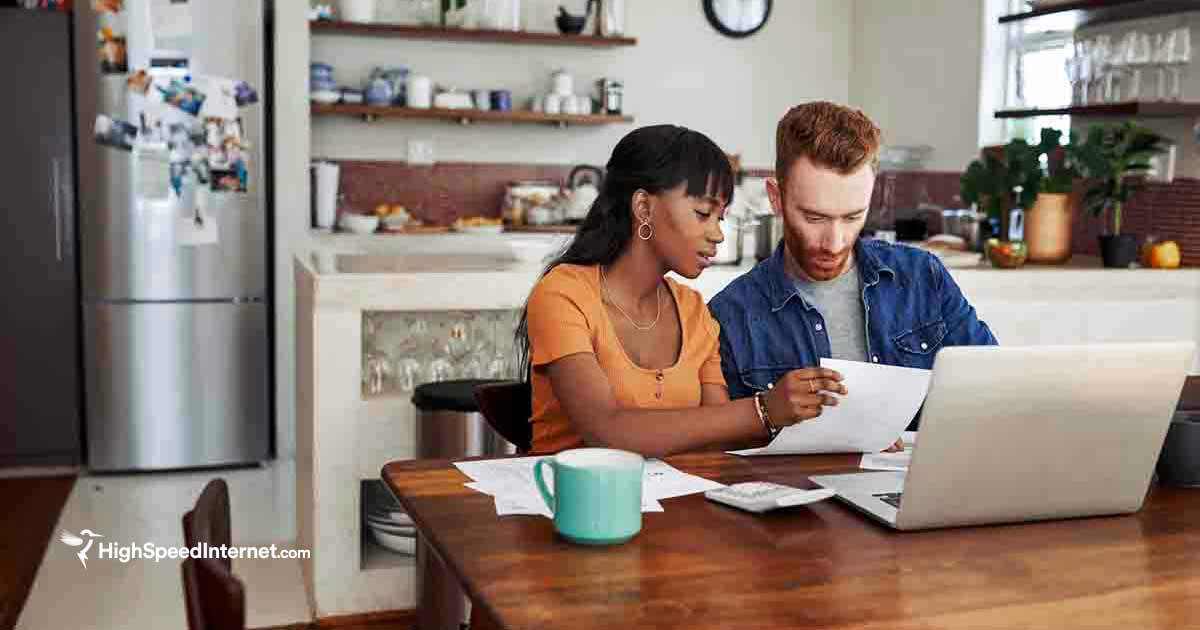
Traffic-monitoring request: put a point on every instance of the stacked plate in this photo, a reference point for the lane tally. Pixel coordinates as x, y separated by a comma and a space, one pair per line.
386, 520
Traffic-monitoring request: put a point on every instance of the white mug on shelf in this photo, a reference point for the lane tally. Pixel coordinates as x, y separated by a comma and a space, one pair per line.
553, 104
563, 83
570, 105
420, 92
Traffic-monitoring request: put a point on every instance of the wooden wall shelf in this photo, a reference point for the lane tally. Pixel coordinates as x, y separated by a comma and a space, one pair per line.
371, 112
1130, 109
1088, 12
466, 35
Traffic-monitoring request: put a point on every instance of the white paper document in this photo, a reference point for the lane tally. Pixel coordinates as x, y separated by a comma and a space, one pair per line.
882, 400
510, 483
891, 461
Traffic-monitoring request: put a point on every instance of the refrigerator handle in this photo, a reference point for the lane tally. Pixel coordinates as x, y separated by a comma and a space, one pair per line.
56, 202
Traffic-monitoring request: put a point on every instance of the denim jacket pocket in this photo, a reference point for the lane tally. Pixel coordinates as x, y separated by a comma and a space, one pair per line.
924, 339
760, 379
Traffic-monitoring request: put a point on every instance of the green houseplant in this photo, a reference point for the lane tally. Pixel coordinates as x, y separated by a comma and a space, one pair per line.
1003, 178
1110, 155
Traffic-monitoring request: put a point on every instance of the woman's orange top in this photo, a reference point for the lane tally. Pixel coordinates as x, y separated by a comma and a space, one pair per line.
566, 316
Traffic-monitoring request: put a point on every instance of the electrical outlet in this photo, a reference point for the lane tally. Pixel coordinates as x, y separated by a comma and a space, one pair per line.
420, 151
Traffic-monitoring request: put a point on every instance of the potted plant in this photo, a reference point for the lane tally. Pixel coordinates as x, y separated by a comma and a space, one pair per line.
1110, 155
1003, 178
1048, 221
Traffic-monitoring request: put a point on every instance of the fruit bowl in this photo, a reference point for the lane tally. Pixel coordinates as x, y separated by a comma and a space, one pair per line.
1007, 254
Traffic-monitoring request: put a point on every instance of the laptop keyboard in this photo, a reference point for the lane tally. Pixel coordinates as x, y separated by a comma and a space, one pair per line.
890, 498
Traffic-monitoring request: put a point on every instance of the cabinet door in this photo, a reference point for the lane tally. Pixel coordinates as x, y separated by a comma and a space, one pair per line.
39, 346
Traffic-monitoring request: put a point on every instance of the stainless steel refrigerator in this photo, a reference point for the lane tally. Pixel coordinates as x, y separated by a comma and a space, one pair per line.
176, 330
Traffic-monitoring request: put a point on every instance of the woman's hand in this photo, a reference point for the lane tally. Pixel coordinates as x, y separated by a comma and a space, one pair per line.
802, 394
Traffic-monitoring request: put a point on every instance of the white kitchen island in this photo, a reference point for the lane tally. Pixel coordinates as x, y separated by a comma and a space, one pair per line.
345, 435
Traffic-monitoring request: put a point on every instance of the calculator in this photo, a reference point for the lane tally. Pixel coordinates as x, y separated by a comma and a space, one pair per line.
761, 496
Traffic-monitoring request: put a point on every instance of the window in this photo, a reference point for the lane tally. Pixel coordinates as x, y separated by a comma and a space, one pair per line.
1036, 78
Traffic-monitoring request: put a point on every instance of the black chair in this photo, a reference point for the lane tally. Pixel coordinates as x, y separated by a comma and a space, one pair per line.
507, 407
214, 597
208, 520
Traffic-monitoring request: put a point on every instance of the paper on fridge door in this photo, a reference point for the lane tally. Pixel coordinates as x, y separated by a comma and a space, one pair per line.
882, 400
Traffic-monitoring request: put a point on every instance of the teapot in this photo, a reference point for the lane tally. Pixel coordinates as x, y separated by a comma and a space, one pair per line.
583, 187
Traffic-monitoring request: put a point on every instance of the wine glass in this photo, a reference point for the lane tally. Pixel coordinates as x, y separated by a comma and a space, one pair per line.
1083, 52
500, 365
1101, 68
1139, 53
1162, 45
406, 367
458, 348
1074, 77
439, 367
1115, 85
377, 371
1179, 55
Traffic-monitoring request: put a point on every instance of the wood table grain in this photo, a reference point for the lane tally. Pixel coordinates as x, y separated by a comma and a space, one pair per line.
703, 565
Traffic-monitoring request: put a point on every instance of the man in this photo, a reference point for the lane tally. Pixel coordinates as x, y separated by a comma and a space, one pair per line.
825, 292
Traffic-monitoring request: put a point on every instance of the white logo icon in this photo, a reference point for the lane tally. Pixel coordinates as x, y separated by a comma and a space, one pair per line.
75, 541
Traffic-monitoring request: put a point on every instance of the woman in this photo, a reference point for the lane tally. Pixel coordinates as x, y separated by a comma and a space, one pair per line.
620, 355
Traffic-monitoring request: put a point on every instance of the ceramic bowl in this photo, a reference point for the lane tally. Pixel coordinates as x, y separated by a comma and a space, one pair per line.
1007, 255
326, 97
359, 223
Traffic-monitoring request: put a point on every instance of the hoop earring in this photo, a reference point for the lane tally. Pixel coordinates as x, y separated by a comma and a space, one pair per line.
649, 230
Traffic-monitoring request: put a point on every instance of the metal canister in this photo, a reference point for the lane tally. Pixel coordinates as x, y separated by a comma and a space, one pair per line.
612, 96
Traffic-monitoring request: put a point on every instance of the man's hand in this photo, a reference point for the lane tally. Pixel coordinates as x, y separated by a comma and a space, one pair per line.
895, 447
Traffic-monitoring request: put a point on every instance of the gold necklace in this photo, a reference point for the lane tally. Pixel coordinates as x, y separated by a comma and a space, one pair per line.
657, 297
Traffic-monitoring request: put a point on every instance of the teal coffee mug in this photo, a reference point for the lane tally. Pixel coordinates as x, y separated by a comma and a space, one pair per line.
597, 498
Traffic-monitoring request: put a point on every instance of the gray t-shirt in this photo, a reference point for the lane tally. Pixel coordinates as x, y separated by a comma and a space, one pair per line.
839, 301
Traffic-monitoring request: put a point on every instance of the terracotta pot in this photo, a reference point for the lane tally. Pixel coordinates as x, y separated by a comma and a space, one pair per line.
1048, 229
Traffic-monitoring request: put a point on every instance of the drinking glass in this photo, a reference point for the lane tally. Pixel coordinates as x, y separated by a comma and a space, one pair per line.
1179, 55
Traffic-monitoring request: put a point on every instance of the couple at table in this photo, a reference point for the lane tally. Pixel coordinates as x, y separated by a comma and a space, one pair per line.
621, 355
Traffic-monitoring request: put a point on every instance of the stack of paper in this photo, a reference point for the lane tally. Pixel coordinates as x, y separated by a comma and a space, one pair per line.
510, 483
882, 400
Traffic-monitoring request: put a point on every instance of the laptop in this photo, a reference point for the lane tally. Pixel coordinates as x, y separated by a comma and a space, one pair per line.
1013, 434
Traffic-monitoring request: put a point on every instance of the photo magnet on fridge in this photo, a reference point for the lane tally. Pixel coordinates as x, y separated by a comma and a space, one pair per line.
115, 133
139, 82
244, 94
113, 58
227, 154
108, 6
178, 94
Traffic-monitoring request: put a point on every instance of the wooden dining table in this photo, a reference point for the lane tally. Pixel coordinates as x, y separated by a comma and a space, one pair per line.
700, 564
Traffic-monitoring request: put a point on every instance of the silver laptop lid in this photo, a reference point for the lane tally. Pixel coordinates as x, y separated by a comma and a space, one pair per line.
1027, 433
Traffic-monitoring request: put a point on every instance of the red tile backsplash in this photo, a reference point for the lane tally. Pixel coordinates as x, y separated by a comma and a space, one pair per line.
445, 191
437, 194
1166, 211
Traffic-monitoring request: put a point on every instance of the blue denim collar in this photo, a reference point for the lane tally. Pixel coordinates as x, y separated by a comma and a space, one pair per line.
782, 287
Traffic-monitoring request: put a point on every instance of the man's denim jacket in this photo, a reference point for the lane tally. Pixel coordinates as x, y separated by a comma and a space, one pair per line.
911, 305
